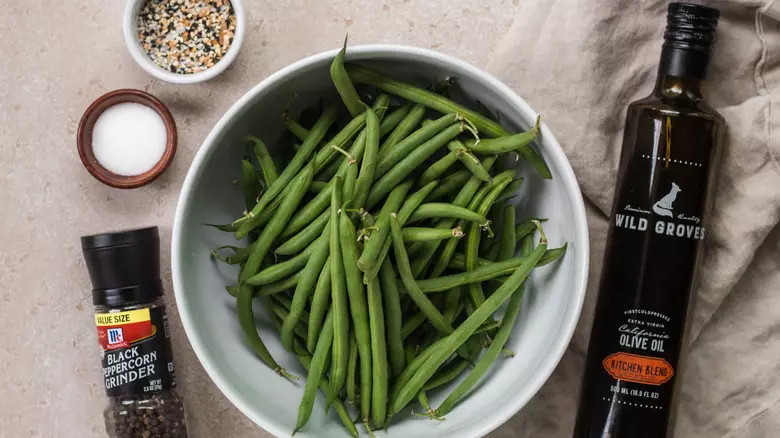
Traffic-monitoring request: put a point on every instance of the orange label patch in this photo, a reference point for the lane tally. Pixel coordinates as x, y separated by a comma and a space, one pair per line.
638, 369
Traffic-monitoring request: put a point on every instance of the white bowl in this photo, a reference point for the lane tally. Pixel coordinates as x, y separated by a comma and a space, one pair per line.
130, 24
552, 303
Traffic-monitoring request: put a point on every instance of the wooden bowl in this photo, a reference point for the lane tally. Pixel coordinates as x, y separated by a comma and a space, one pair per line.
84, 138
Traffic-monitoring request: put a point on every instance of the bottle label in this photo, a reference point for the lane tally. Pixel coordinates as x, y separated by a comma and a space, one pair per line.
135, 351
663, 220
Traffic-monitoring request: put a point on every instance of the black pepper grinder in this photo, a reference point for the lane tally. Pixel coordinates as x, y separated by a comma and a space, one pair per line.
132, 328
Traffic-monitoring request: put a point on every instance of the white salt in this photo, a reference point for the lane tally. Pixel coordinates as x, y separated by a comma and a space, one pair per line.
129, 138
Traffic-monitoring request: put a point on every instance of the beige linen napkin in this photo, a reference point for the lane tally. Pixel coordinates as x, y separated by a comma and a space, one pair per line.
580, 63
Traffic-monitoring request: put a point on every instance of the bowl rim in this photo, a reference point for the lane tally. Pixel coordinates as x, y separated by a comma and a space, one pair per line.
132, 8
566, 174
87, 123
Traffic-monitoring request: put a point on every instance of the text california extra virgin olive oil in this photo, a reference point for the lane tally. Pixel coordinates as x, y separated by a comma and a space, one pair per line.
659, 218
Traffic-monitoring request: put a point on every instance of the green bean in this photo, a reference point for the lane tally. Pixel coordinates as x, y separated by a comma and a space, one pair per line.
274, 227
551, 255
476, 294
407, 165
340, 140
476, 275
350, 179
402, 261
411, 369
449, 247
451, 343
261, 248
305, 215
511, 190
412, 324
526, 227
439, 103
472, 163
246, 320
451, 302
305, 287
488, 326
420, 234
316, 371
338, 405
403, 129
250, 186
239, 254
280, 286
447, 373
281, 270
506, 143
462, 153
325, 155
319, 304
423, 399
264, 216
358, 308
430, 99
230, 228
316, 134
232, 290
411, 204
264, 159
462, 199
340, 78
317, 186
507, 323
339, 307
379, 376
306, 236
435, 170
409, 353
352, 371
392, 120
493, 251
369, 259
439, 210
295, 128
305, 359
278, 309
414, 141
368, 164
393, 316
449, 184
508, 241
358, 146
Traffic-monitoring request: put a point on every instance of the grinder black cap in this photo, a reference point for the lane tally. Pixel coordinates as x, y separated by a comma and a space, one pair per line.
124, 266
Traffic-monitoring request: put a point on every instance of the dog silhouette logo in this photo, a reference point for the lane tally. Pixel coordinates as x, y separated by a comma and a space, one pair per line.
664, 206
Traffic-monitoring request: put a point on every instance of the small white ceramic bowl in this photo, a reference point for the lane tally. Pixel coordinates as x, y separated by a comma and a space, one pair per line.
129, 26
551, 304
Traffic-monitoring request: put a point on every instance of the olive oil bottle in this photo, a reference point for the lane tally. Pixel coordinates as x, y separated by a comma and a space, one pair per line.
659, 218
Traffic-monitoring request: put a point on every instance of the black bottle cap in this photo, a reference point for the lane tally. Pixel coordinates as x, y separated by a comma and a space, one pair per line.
690, 26
124, 266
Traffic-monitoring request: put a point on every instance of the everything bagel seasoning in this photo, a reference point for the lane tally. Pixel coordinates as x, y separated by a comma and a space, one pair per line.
186, 36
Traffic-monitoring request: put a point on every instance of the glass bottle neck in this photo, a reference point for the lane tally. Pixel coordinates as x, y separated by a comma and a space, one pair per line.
673, 87
681, 73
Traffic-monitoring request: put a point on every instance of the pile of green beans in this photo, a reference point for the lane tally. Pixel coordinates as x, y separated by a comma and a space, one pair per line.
375, 252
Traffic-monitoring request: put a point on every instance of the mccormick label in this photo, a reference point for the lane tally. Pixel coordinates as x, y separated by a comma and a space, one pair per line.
135, 351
